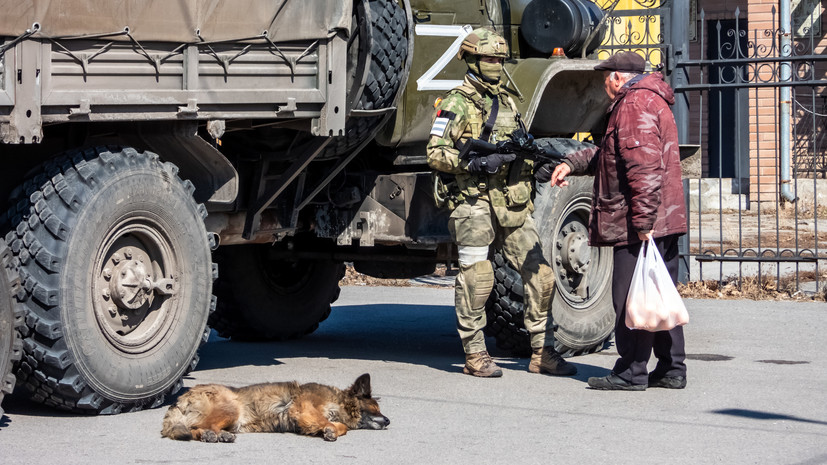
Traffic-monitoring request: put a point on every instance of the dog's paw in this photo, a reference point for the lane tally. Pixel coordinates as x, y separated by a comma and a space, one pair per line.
226, 436
330, 433
209, 436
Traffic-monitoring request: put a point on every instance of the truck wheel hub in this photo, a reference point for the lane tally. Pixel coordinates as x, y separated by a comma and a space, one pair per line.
131, 290
573, 248
131, 285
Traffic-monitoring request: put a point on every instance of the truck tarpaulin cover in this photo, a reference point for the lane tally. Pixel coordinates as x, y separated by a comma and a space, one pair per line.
177, 20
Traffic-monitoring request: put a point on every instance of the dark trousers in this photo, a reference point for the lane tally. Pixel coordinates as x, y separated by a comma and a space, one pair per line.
636, 346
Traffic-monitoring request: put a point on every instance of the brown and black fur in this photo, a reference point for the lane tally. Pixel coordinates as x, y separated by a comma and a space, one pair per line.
215, 413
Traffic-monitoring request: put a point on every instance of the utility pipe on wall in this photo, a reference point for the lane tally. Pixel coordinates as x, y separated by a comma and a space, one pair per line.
785, 103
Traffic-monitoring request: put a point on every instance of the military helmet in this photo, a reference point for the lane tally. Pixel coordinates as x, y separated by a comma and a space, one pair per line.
484, 41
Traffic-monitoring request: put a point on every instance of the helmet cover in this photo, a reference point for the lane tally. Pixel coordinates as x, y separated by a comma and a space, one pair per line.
484, 42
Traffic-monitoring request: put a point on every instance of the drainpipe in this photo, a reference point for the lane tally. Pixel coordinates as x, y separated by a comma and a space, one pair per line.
678, 76
680, 44
786, 100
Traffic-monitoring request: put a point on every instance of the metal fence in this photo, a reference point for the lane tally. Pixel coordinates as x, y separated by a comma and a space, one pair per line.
758, 111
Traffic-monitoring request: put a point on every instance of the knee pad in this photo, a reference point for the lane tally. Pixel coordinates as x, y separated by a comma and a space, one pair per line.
478, 280
484, 274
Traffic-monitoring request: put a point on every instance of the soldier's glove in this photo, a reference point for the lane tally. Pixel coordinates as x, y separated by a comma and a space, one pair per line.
490, 163
543, 172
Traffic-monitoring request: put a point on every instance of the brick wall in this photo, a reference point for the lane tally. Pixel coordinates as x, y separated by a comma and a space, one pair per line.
763, 102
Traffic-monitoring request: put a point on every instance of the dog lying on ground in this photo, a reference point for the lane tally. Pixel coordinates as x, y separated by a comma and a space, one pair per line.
215, 413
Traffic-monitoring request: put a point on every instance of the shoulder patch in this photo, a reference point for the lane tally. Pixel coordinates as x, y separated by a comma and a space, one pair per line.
440, 124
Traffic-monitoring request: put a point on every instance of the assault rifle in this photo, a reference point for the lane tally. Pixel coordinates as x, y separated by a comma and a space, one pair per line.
546, 151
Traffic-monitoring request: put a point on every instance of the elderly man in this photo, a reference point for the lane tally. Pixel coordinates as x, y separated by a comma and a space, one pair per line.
638, 194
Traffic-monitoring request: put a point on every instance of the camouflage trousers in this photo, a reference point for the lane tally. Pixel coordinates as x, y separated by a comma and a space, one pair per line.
474, 228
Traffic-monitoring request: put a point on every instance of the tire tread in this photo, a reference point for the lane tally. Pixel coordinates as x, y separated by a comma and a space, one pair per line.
13, 345
389, 51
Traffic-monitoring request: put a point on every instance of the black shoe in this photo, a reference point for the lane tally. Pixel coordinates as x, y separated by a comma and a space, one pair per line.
668, 382
614, 383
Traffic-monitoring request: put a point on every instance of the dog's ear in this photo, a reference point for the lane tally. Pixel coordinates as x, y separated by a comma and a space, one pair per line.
361, 387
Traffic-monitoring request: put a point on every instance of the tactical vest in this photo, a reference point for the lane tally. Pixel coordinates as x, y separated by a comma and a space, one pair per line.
508, 190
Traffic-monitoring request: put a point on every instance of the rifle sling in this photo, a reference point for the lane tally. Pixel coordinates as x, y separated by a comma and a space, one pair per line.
492, 118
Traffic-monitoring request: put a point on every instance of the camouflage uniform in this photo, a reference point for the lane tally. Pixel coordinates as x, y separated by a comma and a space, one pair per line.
489, 208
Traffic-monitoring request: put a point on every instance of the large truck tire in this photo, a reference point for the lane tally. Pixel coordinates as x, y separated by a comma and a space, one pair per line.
267, 298
11, 321
582, 300
381, 34
115, 262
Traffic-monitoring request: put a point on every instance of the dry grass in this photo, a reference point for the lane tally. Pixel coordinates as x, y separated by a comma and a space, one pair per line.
354, 278
768, 289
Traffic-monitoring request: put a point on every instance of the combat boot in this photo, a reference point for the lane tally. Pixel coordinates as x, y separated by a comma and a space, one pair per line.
547, 360
481, 364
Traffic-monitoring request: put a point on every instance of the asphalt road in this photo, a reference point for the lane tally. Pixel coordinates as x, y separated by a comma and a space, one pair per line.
756, 395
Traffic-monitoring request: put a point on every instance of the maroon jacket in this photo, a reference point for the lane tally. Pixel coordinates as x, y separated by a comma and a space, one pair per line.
637, 184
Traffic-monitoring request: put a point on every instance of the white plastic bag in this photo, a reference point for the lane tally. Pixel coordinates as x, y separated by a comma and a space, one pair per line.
653, 303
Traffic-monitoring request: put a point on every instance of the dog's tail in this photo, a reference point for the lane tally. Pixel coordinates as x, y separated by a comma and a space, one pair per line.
175, 426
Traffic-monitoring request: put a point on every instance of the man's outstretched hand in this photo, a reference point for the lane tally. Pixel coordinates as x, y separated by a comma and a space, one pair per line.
558, 177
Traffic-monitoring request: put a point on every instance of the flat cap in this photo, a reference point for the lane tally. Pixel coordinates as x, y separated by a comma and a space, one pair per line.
629, 62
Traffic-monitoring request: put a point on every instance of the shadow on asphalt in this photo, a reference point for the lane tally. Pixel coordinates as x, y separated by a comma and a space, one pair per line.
19, 404
417, 334
405, 333
759, 415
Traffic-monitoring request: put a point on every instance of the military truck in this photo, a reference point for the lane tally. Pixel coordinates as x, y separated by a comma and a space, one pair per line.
175, 167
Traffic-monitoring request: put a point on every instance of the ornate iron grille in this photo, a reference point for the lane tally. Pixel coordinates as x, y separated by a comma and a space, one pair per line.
641, 30
809, 139
766, 234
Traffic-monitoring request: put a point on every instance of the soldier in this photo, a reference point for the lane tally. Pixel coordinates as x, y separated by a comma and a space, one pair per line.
490, 198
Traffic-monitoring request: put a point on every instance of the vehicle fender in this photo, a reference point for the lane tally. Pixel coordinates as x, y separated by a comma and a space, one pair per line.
214, 177
558, 97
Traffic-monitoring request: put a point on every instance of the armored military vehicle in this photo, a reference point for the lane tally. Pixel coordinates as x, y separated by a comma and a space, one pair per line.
169, 165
